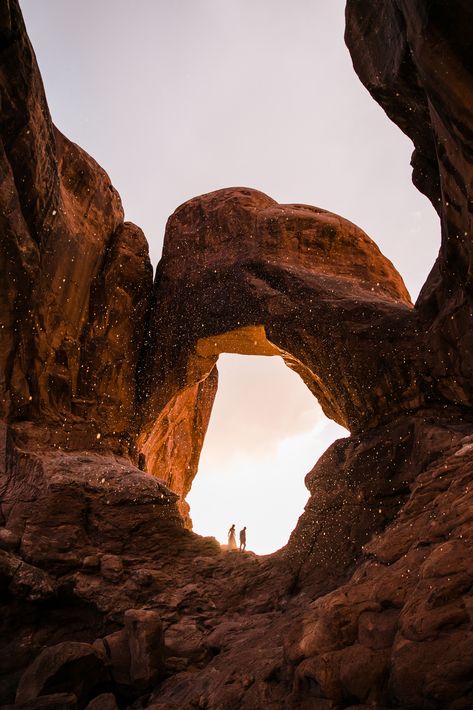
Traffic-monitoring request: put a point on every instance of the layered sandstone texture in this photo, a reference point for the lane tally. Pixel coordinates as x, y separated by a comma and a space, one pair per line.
415, 58
241, 273
77, 277
107, 600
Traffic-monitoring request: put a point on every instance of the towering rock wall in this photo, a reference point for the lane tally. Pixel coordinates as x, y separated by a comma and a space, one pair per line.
415, 59
77, 277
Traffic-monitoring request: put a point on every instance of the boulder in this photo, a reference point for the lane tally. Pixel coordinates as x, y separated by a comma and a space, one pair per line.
111, 567
117, 650
145, 637
66, 667
185, 640
91, 563
24, 580
136, 653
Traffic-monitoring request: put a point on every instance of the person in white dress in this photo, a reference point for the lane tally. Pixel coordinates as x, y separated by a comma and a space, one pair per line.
232, 538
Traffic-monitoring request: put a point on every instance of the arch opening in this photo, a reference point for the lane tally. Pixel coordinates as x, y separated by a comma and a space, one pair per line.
266, 432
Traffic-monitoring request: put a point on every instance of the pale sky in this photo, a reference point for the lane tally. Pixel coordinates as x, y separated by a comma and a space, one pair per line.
175, 99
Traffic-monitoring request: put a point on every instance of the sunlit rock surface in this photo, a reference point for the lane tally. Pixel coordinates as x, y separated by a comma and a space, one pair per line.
107, 599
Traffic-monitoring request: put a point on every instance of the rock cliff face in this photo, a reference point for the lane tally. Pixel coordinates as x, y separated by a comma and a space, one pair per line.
415, 59
108, 599
74, 302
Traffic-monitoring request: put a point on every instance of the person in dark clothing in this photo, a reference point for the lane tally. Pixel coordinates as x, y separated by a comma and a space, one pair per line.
243, 539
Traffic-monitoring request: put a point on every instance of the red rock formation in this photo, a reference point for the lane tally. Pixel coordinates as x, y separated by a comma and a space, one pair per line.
107, 600
241, 273
74, 303
398, 631
415, 59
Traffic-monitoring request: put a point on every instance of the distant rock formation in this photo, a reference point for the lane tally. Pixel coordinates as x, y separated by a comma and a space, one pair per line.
107, 597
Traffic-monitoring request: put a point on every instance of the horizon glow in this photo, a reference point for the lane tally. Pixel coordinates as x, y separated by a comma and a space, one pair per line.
269, 440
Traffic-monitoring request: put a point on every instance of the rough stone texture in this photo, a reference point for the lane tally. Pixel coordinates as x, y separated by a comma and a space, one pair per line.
105, 380
415, 59
297, 281
144, 632
56, 701
8, 540
105, 701
172, 446
68, 666
23, 579
66, 507
116, 648
405, 613
73, 306
136, 652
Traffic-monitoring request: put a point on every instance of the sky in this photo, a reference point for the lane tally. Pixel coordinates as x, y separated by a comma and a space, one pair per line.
175, 99
259, 446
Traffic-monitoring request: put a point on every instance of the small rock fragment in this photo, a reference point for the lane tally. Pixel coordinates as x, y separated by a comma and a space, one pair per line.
111, 567
90, 563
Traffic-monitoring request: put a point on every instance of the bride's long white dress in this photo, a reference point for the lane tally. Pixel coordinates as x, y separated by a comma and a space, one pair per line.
231, 539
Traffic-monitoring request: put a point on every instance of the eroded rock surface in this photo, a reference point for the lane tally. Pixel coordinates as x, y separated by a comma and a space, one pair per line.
68, 666
415, 59
74, 302
242, 273
107, 599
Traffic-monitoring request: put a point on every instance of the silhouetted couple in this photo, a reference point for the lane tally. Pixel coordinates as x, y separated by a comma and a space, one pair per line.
232, 539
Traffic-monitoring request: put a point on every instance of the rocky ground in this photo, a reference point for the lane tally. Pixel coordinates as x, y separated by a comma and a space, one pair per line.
101, 581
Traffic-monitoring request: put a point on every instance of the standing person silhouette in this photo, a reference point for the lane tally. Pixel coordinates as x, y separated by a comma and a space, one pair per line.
243, 539
231, 538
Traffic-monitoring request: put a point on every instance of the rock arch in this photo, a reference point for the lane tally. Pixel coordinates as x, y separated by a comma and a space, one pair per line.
241, 273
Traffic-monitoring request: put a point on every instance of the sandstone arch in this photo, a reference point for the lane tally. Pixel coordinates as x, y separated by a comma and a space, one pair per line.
241, 273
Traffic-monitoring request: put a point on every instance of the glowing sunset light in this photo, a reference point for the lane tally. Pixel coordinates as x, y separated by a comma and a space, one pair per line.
265, 433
